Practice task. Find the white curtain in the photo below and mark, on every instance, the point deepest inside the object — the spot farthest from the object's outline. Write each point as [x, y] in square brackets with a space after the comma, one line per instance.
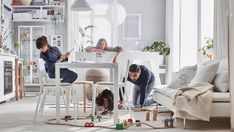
[221, 29]
[172, 36]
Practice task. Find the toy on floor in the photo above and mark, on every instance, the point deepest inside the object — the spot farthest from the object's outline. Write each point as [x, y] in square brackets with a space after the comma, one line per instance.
[119, 126]
[138, 123]
[89, 124]
[155, 114]
[147, 116]
[168, 122]
[67, 117]
[95, 117]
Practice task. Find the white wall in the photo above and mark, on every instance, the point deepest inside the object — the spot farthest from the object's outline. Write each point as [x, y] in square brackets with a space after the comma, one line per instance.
[153, 14]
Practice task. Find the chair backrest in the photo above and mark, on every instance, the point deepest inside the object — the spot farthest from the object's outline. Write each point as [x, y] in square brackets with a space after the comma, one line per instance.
[41, 70]
[85, 56]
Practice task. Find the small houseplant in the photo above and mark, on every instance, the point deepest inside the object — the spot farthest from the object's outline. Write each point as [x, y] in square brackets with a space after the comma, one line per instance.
[84, 35]
[207, 49]
[158, 46]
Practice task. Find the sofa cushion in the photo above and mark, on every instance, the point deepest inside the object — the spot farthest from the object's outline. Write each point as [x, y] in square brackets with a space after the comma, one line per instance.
[183, 76]
[221, 82]
[205, 73]
[223, 65]
[217, 96]
[221, 97]
[169, 92]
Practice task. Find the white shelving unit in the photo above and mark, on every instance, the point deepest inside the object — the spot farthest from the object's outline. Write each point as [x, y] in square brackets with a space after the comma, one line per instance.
[27, 36]
[33, 13]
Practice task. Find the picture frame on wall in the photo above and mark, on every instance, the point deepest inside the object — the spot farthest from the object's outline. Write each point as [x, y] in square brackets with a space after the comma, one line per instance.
[132, 26]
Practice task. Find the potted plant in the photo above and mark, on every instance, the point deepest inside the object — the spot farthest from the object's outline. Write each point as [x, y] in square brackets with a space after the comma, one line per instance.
[158, 46]
[207, 49]
[84, 35]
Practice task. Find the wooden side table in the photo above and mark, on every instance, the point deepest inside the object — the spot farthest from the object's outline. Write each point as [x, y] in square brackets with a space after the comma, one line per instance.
[19, 82]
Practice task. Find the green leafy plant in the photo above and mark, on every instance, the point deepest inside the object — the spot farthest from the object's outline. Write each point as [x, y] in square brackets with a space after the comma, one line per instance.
[84, 35]
[206, 49]
[158, 46]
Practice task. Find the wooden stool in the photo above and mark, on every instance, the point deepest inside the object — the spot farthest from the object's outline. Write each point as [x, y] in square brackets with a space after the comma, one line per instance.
[19, 82]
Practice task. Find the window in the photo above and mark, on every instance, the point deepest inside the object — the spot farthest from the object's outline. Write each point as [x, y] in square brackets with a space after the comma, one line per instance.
[98, 19]
[207, 18]
[185, 34]
[188, 33]
[192, 24]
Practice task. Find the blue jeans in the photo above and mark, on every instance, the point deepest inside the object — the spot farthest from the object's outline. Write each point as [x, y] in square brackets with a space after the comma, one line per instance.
[148, 95]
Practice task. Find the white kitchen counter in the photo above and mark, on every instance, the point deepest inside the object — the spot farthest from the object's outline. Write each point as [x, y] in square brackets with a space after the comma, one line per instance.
[11, 58]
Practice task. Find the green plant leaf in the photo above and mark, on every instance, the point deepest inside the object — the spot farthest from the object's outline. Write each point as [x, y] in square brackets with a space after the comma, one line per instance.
[90, 26]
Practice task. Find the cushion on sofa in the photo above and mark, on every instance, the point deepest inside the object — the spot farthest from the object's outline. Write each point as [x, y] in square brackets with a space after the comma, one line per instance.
[169, 92]
[223, 65]
[221, 97]
[221, 82]
[183, 76]
[205, 73]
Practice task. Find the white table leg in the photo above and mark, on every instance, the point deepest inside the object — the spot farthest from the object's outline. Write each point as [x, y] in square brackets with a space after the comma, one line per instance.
[111, 74]
[116, 93]
[57, 77]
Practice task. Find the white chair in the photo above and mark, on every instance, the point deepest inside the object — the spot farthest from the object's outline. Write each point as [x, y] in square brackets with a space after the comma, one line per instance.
[120, 85]
[47, 85]
[76, 88]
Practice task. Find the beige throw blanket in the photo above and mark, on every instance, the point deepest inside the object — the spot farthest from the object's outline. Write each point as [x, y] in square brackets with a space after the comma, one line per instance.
[193, 102]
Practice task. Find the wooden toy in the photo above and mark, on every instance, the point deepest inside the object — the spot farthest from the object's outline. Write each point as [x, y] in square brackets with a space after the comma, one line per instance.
[119, 126]
[67, 117]
[147, 116]
[138, 123]
[125, 123]
[155, 114]
[130, 121]
[89, 124]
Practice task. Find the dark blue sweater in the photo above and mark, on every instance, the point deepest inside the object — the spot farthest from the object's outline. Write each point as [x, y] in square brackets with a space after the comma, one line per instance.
[50, 57]
[144, 79]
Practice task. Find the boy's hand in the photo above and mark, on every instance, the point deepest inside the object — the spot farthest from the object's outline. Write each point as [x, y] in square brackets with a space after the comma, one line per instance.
[120, 104]
[67, 54]
[62, 57]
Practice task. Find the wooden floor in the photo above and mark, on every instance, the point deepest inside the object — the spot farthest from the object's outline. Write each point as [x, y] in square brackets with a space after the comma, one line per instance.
[16, 116]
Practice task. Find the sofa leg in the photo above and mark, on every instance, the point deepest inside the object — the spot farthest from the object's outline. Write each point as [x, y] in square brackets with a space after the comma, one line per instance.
[184, 123]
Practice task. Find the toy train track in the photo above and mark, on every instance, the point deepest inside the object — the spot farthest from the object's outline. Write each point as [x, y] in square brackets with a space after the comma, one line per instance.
[99, 126]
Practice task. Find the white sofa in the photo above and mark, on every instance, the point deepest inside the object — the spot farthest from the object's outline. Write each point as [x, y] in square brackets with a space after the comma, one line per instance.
[221, 101]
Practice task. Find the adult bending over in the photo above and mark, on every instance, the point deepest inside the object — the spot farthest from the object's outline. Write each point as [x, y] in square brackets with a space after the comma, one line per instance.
[143, 80]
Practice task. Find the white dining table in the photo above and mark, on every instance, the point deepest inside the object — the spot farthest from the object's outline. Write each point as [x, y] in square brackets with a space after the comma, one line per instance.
[114, 77]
